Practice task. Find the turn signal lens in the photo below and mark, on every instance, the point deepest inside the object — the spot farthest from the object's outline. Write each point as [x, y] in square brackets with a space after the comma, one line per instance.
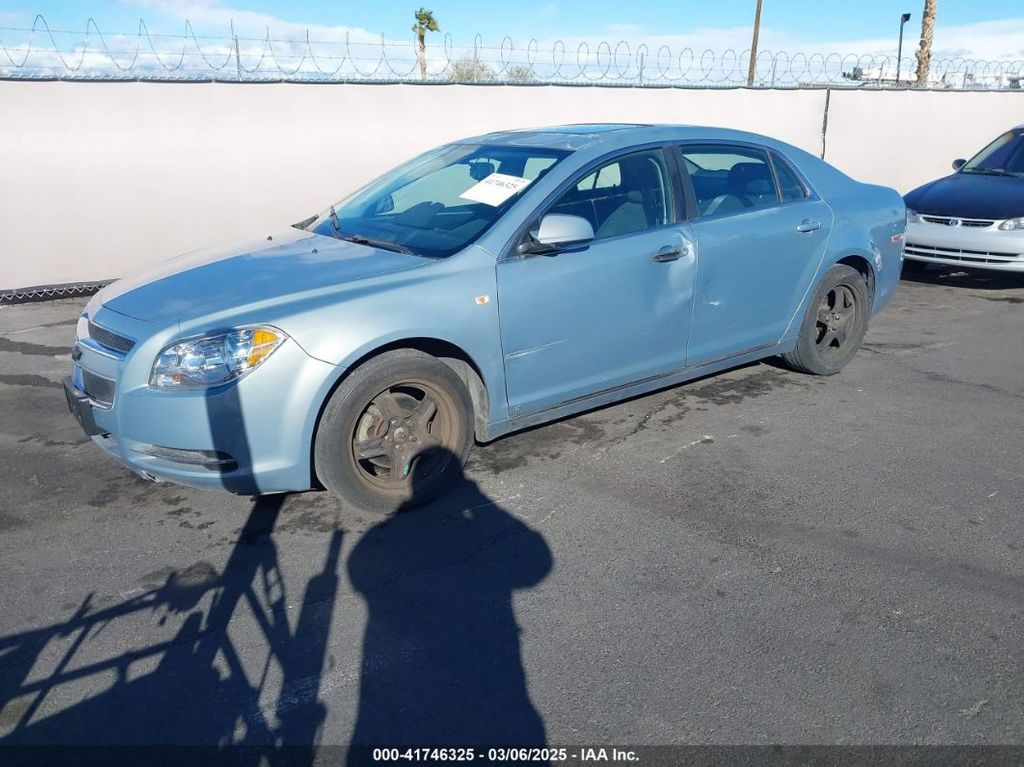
[261, 345]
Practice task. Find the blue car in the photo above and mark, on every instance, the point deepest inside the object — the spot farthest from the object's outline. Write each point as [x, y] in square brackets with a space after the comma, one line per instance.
[486, 286]
[974, 217]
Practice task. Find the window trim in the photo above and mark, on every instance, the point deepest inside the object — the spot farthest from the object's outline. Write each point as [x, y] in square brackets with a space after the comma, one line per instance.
[678, 207]
[769, 153]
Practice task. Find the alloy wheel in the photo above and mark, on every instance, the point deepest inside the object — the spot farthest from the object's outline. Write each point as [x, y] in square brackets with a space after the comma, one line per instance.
[410, 424]
[837, 317]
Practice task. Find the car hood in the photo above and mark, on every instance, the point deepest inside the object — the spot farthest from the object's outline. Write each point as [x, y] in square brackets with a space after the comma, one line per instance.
[216, 279]
[970, 195]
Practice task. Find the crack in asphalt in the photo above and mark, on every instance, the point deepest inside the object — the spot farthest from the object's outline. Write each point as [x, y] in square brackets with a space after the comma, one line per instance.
[27, 347]
[942, 377]
[29, 379]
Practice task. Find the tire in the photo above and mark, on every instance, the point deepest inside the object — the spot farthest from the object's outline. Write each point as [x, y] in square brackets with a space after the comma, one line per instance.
[914, 266]
[395, 434]
[835, 323]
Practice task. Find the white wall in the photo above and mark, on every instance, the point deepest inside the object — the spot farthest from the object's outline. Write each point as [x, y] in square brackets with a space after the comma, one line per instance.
[905, 138]
[99, 180]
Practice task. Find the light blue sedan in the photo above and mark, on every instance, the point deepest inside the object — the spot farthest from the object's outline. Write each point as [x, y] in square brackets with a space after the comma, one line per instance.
[486, 286]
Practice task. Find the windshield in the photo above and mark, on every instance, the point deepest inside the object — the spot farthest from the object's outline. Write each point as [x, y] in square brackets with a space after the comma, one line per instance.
[1003, 157]
[438, 203]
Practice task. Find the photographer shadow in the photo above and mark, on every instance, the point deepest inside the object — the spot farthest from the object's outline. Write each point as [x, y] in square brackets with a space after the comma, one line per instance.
[442, 662]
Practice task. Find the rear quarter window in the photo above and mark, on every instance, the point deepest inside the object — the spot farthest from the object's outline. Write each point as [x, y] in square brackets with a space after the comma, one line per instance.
[791, 188]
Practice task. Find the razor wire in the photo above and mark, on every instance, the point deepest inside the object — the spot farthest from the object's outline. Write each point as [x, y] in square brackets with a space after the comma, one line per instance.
[41, 52]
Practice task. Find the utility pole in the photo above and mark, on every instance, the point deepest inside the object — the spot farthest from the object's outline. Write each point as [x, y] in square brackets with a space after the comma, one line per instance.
[753, 45]
[899, 50]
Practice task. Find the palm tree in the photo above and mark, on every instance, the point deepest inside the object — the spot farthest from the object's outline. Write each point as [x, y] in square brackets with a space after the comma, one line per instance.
[425, 22]
[924, 52]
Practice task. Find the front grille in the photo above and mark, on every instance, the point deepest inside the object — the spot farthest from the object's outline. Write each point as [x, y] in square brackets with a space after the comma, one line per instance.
[99, 389]
[959, 254]
[966, 222]
[110, 340]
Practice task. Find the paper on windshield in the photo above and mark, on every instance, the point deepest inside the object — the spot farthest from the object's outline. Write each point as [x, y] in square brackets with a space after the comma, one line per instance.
[495, 189]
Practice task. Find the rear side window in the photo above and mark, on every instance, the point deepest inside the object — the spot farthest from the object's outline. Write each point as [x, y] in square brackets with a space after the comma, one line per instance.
[730, 179]
[791, 188]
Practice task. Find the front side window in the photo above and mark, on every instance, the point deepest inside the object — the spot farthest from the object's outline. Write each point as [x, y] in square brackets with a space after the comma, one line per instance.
[730, 179]
[1003, 157]
[629, 194]
[438, 203]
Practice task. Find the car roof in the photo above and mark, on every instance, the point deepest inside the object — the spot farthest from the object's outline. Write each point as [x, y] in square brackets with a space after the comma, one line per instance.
[610, 136]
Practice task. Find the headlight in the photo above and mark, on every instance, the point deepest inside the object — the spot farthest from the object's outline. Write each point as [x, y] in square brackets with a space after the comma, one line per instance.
[913, 217]
[1012, 224]
[215, 358]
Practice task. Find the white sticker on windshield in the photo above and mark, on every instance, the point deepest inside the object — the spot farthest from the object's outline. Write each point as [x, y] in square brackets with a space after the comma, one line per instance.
[495, 189]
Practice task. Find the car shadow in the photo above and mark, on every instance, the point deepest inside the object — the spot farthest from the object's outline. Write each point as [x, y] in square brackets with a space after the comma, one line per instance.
[960, 277]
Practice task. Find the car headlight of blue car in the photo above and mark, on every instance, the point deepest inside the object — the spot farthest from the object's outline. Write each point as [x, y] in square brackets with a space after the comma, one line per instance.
[214, 358]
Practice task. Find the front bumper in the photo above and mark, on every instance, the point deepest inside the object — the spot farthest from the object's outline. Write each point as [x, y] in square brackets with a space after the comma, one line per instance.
[249, 436]
[975, 247]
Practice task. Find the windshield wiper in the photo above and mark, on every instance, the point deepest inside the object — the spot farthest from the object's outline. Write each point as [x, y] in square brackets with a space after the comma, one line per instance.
[989, 171]
[375, 243]
[334, 220]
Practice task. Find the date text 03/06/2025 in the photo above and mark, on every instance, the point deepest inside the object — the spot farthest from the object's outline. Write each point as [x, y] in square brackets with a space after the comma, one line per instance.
[506, 754]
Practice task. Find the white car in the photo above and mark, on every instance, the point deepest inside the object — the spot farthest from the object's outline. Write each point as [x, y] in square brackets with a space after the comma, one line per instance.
[974, 217]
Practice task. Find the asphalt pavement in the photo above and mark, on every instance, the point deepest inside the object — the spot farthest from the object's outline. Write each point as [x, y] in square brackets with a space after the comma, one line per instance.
[754, 557]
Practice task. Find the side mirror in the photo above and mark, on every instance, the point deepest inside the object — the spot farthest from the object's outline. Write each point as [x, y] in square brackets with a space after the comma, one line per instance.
[958, 164]
[558, 230]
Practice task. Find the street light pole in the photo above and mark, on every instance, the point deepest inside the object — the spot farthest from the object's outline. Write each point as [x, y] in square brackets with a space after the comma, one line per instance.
[899, 51]
[753, 45]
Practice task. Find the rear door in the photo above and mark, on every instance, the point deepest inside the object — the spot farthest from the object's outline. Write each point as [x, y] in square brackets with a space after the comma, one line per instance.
[760, 236]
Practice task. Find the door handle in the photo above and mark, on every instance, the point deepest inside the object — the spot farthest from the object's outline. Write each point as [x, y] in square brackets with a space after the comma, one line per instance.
[670, 253]
[807, 225]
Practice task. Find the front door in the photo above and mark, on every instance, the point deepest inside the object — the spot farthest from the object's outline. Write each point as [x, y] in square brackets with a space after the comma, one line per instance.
[606, 313]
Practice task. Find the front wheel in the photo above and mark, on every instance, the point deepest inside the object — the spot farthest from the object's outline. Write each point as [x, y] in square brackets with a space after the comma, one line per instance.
[395, 434]
[835, 323]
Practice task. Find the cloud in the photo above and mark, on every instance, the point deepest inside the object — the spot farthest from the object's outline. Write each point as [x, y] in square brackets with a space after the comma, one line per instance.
[211, 15]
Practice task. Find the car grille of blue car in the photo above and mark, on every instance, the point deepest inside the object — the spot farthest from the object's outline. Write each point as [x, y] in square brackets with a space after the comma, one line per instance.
[99, 389]
[110, 340]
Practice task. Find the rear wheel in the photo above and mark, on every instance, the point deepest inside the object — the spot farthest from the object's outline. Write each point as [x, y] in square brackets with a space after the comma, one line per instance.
[835, 323]
[395, 434]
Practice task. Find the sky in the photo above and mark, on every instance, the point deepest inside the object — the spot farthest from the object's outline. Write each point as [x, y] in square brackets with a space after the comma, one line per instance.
[989, 29]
